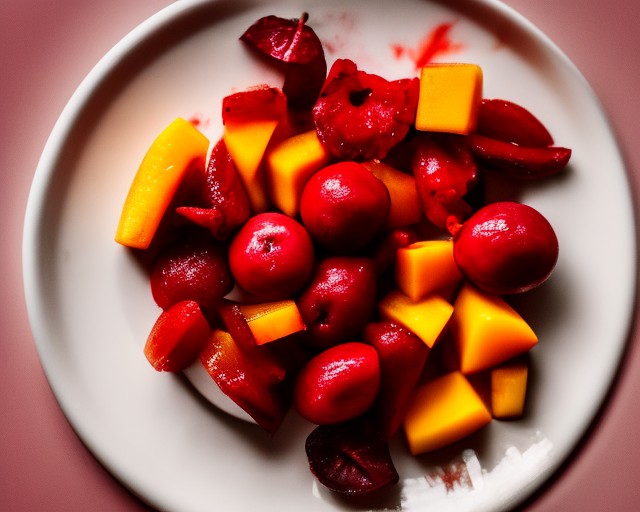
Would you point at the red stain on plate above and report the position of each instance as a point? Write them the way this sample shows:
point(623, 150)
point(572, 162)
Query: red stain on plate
point(436, 43)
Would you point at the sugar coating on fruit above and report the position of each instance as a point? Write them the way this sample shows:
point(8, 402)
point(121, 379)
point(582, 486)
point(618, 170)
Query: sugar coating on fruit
point(449, 99)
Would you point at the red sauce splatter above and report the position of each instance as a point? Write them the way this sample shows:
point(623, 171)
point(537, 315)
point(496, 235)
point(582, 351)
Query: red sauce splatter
point(435, 43)
point(199, 121)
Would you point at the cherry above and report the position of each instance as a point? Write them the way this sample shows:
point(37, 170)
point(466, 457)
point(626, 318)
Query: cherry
point(344, 206)
point(350, 458)
point(338, 384)
point(194, 269)
point(506, 247)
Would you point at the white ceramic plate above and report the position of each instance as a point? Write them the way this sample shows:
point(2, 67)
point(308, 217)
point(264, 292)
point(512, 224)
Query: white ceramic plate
point(91, 308)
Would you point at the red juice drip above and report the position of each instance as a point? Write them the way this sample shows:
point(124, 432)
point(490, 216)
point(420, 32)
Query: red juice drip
point(435, 43)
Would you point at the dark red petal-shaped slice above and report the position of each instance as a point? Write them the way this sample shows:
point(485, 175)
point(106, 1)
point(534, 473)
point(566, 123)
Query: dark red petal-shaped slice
point(519, 161)
point(361, 116)
point(350, 458)
point(510, 122)
point(296, 47)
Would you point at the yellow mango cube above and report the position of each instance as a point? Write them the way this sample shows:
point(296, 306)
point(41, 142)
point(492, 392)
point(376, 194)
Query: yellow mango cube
point(162, 170)
point(487, 330)
point(509, 389)
point(426, 318)
point(247, 142)
point(406, 208)
point(270, 321)
point(290, 164)
point(449, 98)
point(425, 267)
point(443, 411)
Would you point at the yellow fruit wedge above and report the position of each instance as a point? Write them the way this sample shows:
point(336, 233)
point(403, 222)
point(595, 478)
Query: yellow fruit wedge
point(426, 318)
point(443, 411)
point(509, 389)
point(449, 98)
point(290, 164)
point(406, 208)
point(425, 267)
point(272, 320)
point(487, 330)
point(247, 142)
point(174, 151)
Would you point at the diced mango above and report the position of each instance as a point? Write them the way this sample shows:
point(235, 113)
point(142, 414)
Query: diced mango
point(449, 98)
point(246, 142)
point(442, 411)
point(290, 164)
point(425, 267)
point(272, 320)
point(406, 208)
point(509, 389)
point(426, 318)
point(487, 330)
point(162, 170)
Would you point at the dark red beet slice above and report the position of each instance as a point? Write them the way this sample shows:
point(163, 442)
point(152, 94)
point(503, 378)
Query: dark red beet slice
point(296, 47)
point(519, 161)
point(361, 116)
point(510, 122)
point(350, 458)
point(445, 172)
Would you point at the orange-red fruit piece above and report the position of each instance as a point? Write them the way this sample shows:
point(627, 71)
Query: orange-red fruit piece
point(272, 320)
point(176, 337)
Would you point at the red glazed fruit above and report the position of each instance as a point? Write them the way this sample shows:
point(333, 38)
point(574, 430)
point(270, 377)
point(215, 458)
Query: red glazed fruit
point(272, 256)
point(506, 248)
point(338, 384)
point(361, 116)
point(339, 300)
point(351, 458)
point(177, 337)
point(344, 206)
point(509, 122)
point(195, 269)
point(402, 358)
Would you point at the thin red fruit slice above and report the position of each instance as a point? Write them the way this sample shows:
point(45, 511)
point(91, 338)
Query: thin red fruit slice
point(519, 161)
point(350, 458)
point(225, 202)
point(510, 122)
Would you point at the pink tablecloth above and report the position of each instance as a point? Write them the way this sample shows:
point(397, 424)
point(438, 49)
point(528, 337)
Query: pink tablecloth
point(48, 47)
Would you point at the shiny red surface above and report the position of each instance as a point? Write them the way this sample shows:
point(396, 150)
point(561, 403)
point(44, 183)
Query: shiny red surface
point(46, 50)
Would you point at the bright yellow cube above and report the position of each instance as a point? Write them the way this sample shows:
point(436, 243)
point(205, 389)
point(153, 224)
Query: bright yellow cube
point(449, 99)
point(509, 389)
point(290, 164)
point(487, 330)
point(426, 266)
point(270, 321)
point(426, 318)
point(443, 411)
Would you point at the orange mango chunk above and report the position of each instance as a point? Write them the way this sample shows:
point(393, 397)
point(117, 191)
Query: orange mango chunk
point(406, 208)
point(250, 118)
point(487, 330)
point(246, 142)
point(442, 411)
point(157, 180)
point(425, 267)
point(509, 389)
point(426, 318)
point(290, 164)
point(449, 98)
point(270, 321)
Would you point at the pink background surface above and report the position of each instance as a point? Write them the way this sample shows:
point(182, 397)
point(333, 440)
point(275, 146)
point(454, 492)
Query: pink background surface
point(48, 48)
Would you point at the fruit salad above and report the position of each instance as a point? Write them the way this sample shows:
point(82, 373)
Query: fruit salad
point(332, 254)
